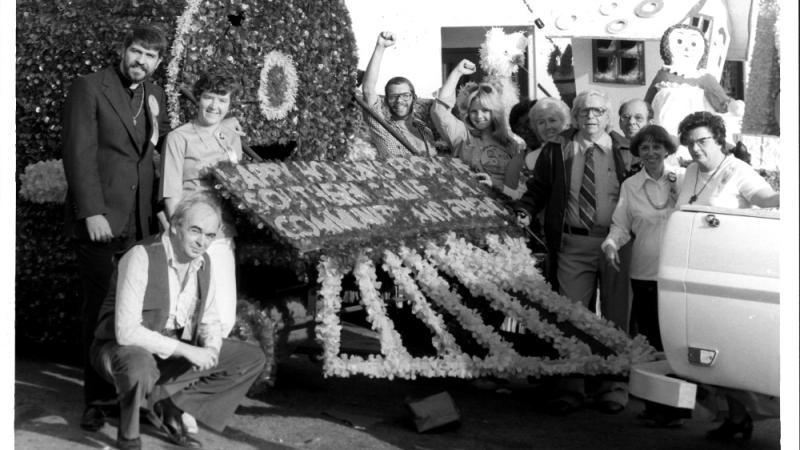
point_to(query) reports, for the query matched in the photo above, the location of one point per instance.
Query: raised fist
(466, 67)
(386, 39)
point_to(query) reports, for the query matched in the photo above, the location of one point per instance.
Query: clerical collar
(126, 82)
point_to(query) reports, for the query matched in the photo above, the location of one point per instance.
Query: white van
(719, 305)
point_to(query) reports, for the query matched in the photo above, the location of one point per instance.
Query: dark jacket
(155, 309)
(108, 165)
(548, 189)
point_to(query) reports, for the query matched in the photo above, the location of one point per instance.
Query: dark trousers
(95, 267)
(142, 379)
(644, 311)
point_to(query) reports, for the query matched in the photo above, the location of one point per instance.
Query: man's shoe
(93, 418)
(167, 418)
(129, 444)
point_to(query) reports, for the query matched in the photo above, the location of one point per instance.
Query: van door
(719, 284)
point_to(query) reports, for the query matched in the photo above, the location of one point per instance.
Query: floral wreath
(284, 88)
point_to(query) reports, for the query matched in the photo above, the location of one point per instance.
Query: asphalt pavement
(304, 410)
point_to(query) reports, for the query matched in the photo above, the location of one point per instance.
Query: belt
(596, 231)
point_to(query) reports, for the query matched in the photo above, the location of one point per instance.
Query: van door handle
(712, 221)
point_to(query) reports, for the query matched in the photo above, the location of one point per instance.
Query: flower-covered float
(404, 236)
(447, 249)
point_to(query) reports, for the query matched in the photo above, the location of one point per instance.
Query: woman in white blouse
(645, 202)
(716, 177)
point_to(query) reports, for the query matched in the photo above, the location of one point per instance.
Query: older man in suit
(112, 122)
(576, 182)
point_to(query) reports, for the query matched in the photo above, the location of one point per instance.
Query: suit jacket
(548, 189)
(109, 169)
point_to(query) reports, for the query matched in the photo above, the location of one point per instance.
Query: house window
(617, 61)
(702, 22)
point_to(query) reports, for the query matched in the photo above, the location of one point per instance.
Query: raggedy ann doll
(682, 86)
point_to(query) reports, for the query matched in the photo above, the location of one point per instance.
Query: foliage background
(58, 40)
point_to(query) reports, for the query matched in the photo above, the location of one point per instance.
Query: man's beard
(127, 71)
(409, 111)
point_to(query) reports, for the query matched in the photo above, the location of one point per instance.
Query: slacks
(95, 266)
(582, 267)
(211, 396)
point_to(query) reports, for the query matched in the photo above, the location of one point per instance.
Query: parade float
(328, 239)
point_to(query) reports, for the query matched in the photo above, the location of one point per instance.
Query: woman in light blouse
(716, 177)
(645, 202)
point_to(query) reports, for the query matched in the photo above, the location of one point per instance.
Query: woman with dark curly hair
(715, 177)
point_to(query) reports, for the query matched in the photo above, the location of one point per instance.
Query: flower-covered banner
(317, 205)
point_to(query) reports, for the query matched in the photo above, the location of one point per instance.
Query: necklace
(650, 200)
(697, 193)
(139, 111)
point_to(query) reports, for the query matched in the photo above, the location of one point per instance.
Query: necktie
(587, 204)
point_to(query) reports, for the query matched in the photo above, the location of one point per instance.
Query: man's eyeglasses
(637, 117)
(406, 96)
(702, 142)
(596, 112)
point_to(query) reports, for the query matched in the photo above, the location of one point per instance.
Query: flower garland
(277, 96)
(182, 28)
(470, 266)
(391, 342)
(511, 262)
(465, 262)
(439, 291)
(443, 341)
(44, 182)
(328, 329)
(502, 358)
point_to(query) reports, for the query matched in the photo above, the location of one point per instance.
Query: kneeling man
(159, 335)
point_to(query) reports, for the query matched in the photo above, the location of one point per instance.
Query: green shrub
(47, 288)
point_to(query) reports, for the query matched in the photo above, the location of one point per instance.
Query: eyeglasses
(702, 142)
(637, 117)
(596, 112)
(395, 97)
